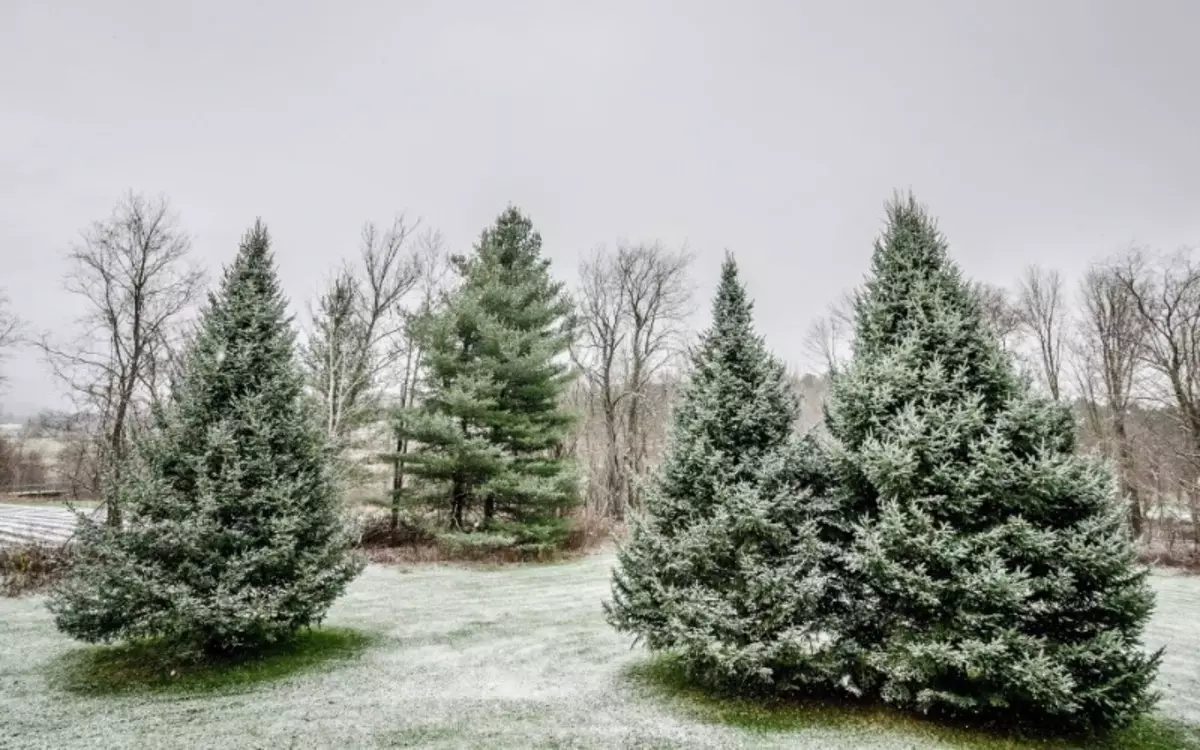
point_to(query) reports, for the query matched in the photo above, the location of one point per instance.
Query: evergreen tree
(233, 536)
(727, 553)
(490, 427)
(989, 564)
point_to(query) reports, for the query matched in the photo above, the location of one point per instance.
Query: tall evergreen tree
(726, 554)
(492, 422)
(989, 563)
(233, 536)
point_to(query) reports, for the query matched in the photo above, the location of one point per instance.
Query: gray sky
(1051, 131)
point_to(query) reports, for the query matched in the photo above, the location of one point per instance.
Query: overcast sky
(1050, 131)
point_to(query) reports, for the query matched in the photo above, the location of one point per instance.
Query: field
(448, 657)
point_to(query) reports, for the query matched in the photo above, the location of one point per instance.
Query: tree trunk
(1128, 485)
(489, 510)
(633, 460)
(397, 486)
(116, 448)
(614, 485)
(458, 500)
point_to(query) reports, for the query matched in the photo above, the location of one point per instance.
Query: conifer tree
(726, 554)
(989, 564)
(491, 424)
(233, 536)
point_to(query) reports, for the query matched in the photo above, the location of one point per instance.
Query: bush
(372, 528)
(31, 567)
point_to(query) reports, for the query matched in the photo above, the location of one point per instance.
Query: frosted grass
(516, 657)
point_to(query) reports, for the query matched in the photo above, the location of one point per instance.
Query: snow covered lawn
(517, 657)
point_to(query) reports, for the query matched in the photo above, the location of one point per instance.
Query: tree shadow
(151, 666)
(664, 677)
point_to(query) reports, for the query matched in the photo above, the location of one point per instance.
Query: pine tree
(989, 564)
(233, 536)
(492, 422)
(726, 555)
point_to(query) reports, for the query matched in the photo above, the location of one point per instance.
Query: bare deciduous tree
(1165, 292)
(355, 324)
(999, 311)
(1042, 315)
(432, 266)
(1108, 351)
(10, 331)
(133, 274)
(633, 303)
(657, 299)
(831, 336)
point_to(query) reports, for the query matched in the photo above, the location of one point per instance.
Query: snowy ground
(28, 523)
(511, 658)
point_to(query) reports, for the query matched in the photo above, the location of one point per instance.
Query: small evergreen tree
(726, 555)
(491, 424)
(233, 536)
(989, 564)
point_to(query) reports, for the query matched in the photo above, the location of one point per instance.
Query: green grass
(663, 677)
(150, 666)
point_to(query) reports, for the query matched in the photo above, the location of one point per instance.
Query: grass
(148, 666)
(517, 656)
(664, 678)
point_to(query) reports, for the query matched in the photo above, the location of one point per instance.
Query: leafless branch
(1041, 314)
(132, 272)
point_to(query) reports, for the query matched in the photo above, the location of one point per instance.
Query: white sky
(1051, 131)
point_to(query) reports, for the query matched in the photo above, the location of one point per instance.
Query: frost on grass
(514, 658)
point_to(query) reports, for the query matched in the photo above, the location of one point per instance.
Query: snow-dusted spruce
(990, 563)
(492, 419)
(233, 534)
(722, 567)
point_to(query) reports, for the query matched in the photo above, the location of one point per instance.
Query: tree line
(939, 541)
(1118, 345)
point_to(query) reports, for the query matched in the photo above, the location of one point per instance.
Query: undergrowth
(31, 568)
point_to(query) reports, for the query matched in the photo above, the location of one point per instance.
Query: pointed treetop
(511, 240)
(912, 280)
(732, 310)
(254, 265)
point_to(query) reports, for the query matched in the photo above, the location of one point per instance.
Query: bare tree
(10, 330)
(830, 337)
(657, 298)
(1040, 311)
(133, 275)
(1165, 292)
(355, 324)
(432, 267)
(999, 311)
(633, 303)
(1112, 336)
(598, 354)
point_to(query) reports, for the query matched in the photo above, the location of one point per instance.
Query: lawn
(441, 657)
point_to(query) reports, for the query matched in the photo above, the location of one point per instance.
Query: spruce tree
(726, 554)
(989, 564)
(233, 536)
(491, 424)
